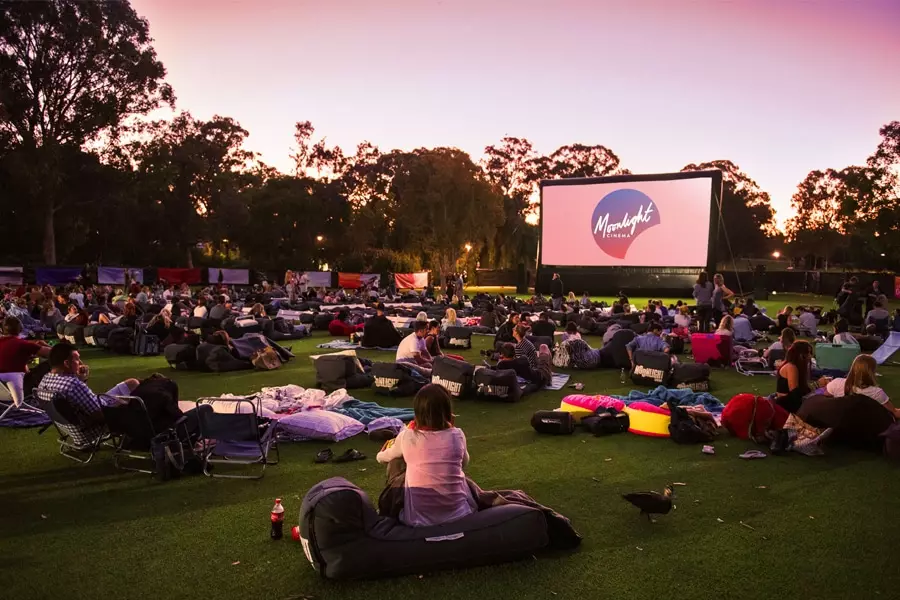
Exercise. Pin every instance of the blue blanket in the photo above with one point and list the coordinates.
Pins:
(22, 418)
(366, 412)
(661, 395)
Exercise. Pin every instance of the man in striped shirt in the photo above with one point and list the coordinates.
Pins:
(525, 348)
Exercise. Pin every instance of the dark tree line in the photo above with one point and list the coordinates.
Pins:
(86, 177)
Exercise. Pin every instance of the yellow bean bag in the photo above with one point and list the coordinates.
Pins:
(649, 420)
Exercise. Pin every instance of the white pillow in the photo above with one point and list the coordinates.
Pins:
(320, 425)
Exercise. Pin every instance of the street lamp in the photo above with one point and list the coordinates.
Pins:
(468, 247)
(882, 254)
(319, 238)
(776, 255)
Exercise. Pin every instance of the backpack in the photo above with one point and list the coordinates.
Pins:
(651, 368)
(676, 344)
(606, 421)
(145, 344)
(685, 429)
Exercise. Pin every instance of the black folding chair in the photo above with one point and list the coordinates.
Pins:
(77, 440)
(236, 437)
(132, 431)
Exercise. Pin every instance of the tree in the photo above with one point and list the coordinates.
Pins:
(69, 71)
(818, 226)
(747, 215)
(443, 201)
(579, 160)
(190, 175)
(316, 160)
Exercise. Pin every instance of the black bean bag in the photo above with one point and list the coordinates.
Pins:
(651, 368)
(639, 328)
(869, 343)
(396, 379)
(279, 330)
(502, 386)
(614, 355)
(218, 359)
(97, 334)
(692, 376)
(456, 338)
(857, 420)
(181, 356)
(336, 371)
(454, 375)
(322, 320)
(74, 334)
(120, 340)
(344, 538)
(61, 329)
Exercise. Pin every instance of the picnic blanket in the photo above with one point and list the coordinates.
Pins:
(348, 345)
(22, 418)
(559, 381)
(366, 412)
(682, 397)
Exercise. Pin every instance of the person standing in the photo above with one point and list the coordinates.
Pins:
(703, 293)
(556, 292)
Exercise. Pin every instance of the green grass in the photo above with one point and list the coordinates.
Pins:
(822, 527)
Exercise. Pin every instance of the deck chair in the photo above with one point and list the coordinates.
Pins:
(237, 437)
(11, 386)
(73, 443)
(132, 431)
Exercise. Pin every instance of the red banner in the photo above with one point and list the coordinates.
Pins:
(896, 286)
(179, 276)
(350, 281)
(411, 280)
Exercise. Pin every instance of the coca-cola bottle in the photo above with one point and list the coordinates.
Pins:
(277, 520)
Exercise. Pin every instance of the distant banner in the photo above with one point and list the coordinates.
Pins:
(896, 286)
(411, 280)
(116, 275)
(317, 279)
(57, 275)
(230, 276)
(350, 281)
(179, 276)
(370, 279)
(11, 275)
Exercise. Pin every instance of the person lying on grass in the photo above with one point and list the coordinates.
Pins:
(861, 380)
(433, 455)
(651, 341)
(509, 360)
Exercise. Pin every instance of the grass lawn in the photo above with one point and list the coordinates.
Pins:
(822, 527)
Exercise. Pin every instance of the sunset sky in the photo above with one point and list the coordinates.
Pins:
(780, 87)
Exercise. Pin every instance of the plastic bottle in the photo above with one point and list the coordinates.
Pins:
(277, 520)
(622, 377)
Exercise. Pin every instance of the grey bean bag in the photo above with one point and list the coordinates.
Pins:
(336, 371)
(218, 359)
(344, 538)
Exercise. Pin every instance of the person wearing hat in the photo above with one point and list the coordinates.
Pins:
(379, 331)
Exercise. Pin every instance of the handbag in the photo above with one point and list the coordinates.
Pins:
(561, 358)
(167, 453)
(554, 422)
(265, 359)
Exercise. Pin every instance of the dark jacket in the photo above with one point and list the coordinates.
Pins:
(379, 332)
(556, 288)
(504, 332)
(543, 329)
(521, 367)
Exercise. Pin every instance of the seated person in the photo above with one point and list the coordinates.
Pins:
(433, 456)
(861, 380)
(412, 348)
(200, 311)
(51, 316)
(750, 309)
(519, 364)
(743, 330)
(784, 342)
(726, 326)
(651, 341)
(433, 343)
(15, 354)
(77, 315)
(878, 315)
(792, 383)
(809, 325)
(783, 320)
(895, 324)
(221, 338)
(489, 317)
(543, 327)
(610, 333)
(585, 300)
(129, 316)
(220, 310)
(683, 317)
(524, 347)
(258, 311)
(450, 320)
(379, 331)
(102, 313)
(505, 331)
(340, 327)
(617, 308)
(571, 332)
(842, 335)
(68, 376)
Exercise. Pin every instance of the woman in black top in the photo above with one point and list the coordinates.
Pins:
(793, 384)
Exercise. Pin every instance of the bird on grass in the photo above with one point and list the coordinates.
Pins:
(652, 503)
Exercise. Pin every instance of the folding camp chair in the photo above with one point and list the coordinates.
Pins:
(236, 438)
(77, 440)
(22, 404)
(133, 432)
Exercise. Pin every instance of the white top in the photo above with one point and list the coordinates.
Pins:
(200, 312)
(835, 388)
(808, 322)
(410, 347)
(845, 339)
(77, 299)
(683, 320)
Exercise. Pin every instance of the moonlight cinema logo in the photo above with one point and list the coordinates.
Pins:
(620, 217)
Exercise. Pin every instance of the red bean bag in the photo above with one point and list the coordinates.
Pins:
(743, 409)
(343, 329)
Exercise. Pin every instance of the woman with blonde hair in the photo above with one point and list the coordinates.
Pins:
(861, 380)
(726, 326)
(450, 320)
(720, 295)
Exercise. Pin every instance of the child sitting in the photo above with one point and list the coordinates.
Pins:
(435, 490)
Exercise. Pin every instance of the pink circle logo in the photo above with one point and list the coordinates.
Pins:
(620, 217)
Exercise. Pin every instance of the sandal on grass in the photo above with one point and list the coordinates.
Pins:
(323, 456)
(350, 455)
(751, 454)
